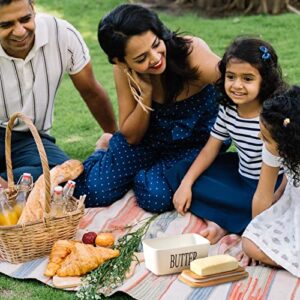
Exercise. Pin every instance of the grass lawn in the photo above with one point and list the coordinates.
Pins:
(75, 129)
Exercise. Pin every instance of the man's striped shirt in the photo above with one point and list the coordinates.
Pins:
(29, 85)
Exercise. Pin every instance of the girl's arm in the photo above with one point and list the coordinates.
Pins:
(183, 196)
(205, 60)
(280, 189)
(133, 120)
(264, 194)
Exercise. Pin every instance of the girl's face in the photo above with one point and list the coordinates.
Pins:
(266, 137)
(242, 82)
(146, 54)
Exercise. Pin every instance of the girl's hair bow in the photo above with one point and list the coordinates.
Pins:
(266, 54)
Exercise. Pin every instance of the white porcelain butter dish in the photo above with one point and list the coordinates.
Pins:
(167, 255)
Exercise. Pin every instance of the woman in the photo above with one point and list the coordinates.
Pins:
(166, 108)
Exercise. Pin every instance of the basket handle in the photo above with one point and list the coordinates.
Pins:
(41, 150)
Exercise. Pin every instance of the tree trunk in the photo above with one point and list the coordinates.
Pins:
(228, 7)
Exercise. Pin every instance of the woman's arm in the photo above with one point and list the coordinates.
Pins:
(264, 194)
(183, 196)
(133, 120)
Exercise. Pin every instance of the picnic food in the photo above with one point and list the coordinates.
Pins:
(33, 210)
(105, 239)
(89, 238)
(69, 258)
(60, 250)
(214, 264)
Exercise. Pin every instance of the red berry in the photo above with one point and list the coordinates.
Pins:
(89, 238)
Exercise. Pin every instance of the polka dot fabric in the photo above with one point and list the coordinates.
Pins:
(177, 131)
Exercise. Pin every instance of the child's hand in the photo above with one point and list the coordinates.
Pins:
(182, 199)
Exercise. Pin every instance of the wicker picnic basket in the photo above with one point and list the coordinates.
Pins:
(21, 243)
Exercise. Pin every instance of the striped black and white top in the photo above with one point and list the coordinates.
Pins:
(244, 134)
(29, 85)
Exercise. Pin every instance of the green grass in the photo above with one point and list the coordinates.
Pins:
(74, 127)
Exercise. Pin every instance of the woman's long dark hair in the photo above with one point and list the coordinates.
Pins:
(127, 20)
(281, 116)
(248, 49)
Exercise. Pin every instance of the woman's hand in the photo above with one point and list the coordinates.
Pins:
(133, 121)
(141, 83)
(182, 198)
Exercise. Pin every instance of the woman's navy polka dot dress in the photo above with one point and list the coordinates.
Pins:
(177, 131)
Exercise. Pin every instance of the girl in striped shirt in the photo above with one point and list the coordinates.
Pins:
(219, 187)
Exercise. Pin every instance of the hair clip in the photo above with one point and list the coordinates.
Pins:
(266, 54)
(286, 122)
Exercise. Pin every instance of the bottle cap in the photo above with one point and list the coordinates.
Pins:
(27, 175)
(58, 189)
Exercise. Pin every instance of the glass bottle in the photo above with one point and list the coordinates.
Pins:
(57, 203)
(68, 192)
(8, 216)
(24, 186)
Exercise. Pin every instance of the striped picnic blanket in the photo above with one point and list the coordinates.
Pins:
(262, 283)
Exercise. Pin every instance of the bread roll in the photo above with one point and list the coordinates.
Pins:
(35, 204)
(213, 264)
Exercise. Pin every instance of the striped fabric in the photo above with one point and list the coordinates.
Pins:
(244, 134)
(33, 82)
(262, 283)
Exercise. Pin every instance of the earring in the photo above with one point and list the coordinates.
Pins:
(136, 91)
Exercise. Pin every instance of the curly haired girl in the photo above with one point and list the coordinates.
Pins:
(273, 237)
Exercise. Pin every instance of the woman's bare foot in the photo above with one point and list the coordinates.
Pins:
(103, 141)
(3, 183)
(213, 232)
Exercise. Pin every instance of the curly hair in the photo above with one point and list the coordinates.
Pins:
(127, 20)
(276, 110)
(247, 49)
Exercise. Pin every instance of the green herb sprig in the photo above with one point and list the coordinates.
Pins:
(102, 281)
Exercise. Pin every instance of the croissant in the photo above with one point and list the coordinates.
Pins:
(60, 250)
(34, 208)
(70, 258)
(85, 258)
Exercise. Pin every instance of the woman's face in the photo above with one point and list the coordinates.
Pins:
(146, 54)
(266, 137)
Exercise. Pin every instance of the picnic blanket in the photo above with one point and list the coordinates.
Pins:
(263, 282)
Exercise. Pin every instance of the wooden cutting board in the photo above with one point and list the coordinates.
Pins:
(66, 282)
(192, 279)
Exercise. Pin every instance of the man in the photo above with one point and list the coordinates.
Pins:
(35, 51)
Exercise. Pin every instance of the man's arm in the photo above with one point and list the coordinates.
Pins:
(95, 98)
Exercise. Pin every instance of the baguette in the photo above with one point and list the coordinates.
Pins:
(35, 204)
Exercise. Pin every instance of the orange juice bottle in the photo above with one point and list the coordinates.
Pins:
(8, 216)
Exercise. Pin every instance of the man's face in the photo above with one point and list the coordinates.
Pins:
(17, 28)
